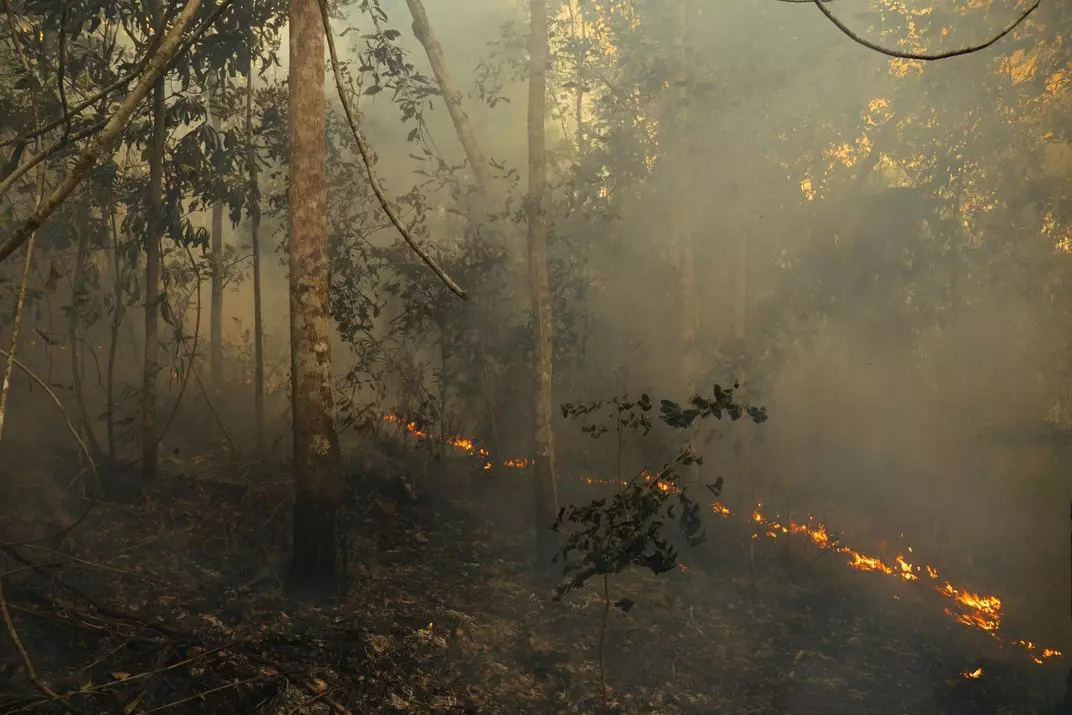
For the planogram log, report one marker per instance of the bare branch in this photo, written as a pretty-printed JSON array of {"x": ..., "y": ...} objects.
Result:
[
  {"x": 155, "y": 69},
  {"x": 927, "y": 56},
  {"x": 367, "y": 159}
]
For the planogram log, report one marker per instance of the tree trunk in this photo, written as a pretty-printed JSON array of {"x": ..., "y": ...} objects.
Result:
[
  {"x": 463, "y": 126},
  {"x": 684, "y": 237},
  {"x": 113, "y": 341},
  {"x": 254, "y": 230},
  {"x": 453, "y": 98},
  {"x": 151, "y": 365},
  {"x": 318, "y": 476},
  {"x": 78, "y": 289},
  {"x": 216, "y": 244},
  {"x": 546, "y": 497},
  {"x": 579, "y": 33}
]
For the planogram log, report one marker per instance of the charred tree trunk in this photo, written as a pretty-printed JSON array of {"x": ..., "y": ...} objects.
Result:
[
  {"x": 317, "y": 535},
  {"x": 216, "y": 246},
  {"x": 546, "y": 496},
  {"x": 151, "y": 366},
  {"x": 254, "y": 230}
]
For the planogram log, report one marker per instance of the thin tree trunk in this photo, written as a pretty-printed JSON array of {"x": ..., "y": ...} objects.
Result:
[
  {"x": 113, "y": 341},
  {"x": 577, "y": 11},
  {"x": 20, "y": 299},
  {"x": 453, "y": 98},
  {"x": 318, "y": 476},
  {"x": 74, "y": 318},
  {"x": 254, "y": 229},
  {"x": 151, "y": 365},
  {"x": 491, "y": 191},
  {"x": 546, "y": 501},
  {"x": 684, "y": 237},
  {"x": 216, "y": 247}
]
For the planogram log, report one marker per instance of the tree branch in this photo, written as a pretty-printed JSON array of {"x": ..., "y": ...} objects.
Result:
[
  {"x": 367, "y": 159},
  {"x": 17, "y": 172},
  {"x": 155, "y": 69},
  {"x": 927, "y": 56}
]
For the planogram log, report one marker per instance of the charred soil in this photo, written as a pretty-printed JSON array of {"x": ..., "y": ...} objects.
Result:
[{"x": 177, "y": 604}]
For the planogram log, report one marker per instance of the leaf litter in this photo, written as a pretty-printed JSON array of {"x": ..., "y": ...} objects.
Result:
[{"x": 177, "y": 606}]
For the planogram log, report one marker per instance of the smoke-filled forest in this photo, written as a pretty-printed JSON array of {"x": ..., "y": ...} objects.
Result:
[{"x": 539, "y": 357}]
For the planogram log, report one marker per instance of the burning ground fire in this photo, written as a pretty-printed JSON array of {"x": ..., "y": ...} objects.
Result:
[{"x": 969, "y": 609}]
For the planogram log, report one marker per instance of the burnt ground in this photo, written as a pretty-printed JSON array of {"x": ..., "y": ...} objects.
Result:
[{"x": 175, "y": 604}]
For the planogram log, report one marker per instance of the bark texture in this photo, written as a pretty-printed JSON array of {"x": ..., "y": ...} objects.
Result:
[
  {"x": 318, "y": 478},
  {"x": 546, "y": 497}
]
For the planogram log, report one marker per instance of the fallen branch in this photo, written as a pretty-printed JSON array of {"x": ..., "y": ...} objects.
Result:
[
  {"x": 927, "y": 56},
  {"x": 366, "y": 157}
]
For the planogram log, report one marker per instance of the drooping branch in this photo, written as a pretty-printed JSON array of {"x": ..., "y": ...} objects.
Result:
[
  {"x": 103, "y": 142},
  {"x": 927, "y": 56},
  {"x": 366, "y": 157}
]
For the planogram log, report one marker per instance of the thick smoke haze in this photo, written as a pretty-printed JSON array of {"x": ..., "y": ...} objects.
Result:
[{"x": 880, "y": 257}]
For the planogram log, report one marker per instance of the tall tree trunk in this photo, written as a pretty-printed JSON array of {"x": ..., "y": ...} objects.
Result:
[
  {"x": 490, "y": 190},
  {"x": 453, "y": 98},
  {"x": 254, "y": 230},
  {"x": 78, "y": 289},
  {"x": 546, "y": 497},
  {"x": 316, "y": 445},
  {"x": 579, "y": 35},
  {"x": 216, "y": 244},
  {"x": 113, "y": 341},
  {"x": 151, "y": 366},
  {"x": 684, "y": 237}
]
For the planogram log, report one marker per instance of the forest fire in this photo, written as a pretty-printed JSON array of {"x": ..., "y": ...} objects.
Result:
[
  {"x": 970, "y": 609},
  {"x": 464, "y": 444}
]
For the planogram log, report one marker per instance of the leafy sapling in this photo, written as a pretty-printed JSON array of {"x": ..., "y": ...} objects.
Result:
[{"x": 607, "y": 536}]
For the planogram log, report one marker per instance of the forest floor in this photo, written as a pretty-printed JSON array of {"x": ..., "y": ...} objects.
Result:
[{"x": 175, "y": 604}]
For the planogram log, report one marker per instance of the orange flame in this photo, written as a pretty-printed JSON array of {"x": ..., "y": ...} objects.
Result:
[{"x": 973, "y": 610}]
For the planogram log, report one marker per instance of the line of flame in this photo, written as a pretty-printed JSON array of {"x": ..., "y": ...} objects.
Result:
[{"x": 973, "y": 610}]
